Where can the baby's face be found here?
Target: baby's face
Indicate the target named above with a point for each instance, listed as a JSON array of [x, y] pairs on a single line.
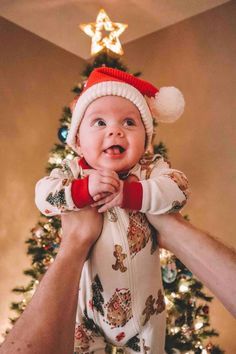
[[112, 134]]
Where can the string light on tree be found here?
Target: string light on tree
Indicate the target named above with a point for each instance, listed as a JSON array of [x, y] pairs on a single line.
[[183, 286], [169, 303], [198, 324], [105, 34], [55, 159], [70, 156]]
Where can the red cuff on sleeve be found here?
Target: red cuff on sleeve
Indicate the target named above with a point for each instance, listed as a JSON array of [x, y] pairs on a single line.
[[80, 193], [133, 195]]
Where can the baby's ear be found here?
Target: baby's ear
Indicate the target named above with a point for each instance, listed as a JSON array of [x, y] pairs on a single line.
[[78, 150]]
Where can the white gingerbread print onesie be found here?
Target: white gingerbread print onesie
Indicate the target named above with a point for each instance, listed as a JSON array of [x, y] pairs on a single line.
[[121, 303]]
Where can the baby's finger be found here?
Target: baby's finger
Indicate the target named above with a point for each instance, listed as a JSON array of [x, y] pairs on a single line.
[[106, 206], [111, 181], [100, 196], [102, 187], [104, 200]]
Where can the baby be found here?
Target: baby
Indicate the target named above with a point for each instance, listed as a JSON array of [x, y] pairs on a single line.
[[121, 305]]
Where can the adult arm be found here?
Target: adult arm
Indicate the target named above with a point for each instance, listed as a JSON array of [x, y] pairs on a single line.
[[209, 259], [47, 324]]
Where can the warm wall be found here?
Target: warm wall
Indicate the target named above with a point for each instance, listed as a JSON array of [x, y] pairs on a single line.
[[198, 56], [36, 78]]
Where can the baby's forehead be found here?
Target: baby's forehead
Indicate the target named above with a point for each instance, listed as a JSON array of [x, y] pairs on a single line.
[[112, 103]]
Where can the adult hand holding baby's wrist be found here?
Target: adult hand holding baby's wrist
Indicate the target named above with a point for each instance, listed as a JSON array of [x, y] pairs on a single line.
[[79, 233]]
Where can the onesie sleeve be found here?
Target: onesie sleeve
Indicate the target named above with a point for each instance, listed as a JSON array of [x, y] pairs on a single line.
[[62, 191], [162, 189], [165, 191]]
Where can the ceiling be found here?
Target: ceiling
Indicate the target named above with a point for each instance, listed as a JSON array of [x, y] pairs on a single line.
[[58, 20]]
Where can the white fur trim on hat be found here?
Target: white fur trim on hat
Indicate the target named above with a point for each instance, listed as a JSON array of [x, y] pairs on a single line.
[[112, 88]]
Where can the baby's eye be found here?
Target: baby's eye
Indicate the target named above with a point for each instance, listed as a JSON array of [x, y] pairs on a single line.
[[129, 122], [99, 123]]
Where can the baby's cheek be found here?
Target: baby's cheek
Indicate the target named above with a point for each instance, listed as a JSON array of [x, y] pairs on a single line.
[[132, 178]]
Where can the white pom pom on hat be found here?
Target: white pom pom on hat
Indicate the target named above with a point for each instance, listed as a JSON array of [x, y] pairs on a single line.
[[165, 104]]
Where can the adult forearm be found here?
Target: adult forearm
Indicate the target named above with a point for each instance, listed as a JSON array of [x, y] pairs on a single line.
[[211, 261], [47, 324]]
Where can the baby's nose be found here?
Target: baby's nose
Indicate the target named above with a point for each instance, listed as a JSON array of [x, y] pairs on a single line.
[[116, 131]]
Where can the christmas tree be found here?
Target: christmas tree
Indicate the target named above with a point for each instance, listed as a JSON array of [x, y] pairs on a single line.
[[188, 327]]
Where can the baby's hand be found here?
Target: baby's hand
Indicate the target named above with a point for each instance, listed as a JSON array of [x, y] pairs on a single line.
[[114, 199], [103, 183], [110, 201]]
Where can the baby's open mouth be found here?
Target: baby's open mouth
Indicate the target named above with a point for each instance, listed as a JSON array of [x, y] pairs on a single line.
[[114, 150]]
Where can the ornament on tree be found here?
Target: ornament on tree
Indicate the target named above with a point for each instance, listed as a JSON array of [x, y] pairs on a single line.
[[169, 272], [37, 232], [187, 331], [209, 347], [205, 310], [47, 261], [62, 133]]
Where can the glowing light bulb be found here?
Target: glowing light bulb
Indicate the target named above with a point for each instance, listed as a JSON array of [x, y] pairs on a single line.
[[183, 288], [70, 156], [169, 304], [198, 325]]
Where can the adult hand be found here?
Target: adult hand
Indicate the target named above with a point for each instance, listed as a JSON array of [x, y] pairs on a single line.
[[166, 225], [80, 229], [55, 300]]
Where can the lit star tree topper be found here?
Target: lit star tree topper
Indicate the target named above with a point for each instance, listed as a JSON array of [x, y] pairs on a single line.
[[105, 34]]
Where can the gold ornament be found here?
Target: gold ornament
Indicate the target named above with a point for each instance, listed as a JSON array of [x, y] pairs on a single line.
[[47, 261], [37, 232], [209, 347], [105, 34]]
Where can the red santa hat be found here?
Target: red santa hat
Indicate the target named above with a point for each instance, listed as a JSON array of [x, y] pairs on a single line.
[[164, 105]]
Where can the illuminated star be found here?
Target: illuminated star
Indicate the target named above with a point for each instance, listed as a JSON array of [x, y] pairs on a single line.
[[105, 34]]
